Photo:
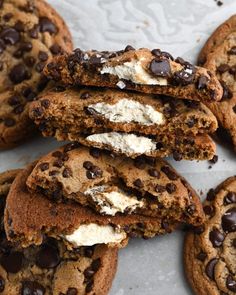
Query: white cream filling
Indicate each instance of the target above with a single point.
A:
(92, 234)
(126, 143)
(133, 71)
(114, 201)
(126, 111)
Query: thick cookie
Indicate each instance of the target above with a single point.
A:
(95, 116)
(219, 56)
(210, 251)
(142, 70)
(31, 33)
(116, 186)
(31, 216)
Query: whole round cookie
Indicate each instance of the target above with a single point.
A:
(51, 268)
(31, 33)
(210, 251)
(219, 56)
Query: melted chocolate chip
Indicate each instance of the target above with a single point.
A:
(43, 166)
(160, 68)
(154, 173)
(228, 220)
(201, 256)
(183, 77)
(210, 268)
(48, 257)
(138, 183)
(12, 262)
(171, 188)
(231, 282)
(18, 74)
(10, 36)
(72, 291)
(169, 173)
(216, 238)
(46, 25)
(32, 288)
(230, 198)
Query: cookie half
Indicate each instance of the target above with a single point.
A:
(126, 122)
(31, 216)
(116, 186)
(141, 70)
(51, 268)
(31, 33)
(210, 251)
(219, 56)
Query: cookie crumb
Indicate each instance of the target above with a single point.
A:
(214, 160)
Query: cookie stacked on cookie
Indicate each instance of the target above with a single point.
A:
(164, 116)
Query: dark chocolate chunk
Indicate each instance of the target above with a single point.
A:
(88, 165)
(94, 152)
(160, 67)
(183, 77)
(232, 50)
(201, 256)
(55, 49)
(129, 48)
(10, 36)
(211, 195)
(231, 283)
(210, 268)
(228, 220)
(156, 52)
(230, 198)
(171, 188)
(209, 210)
(169, 173)
(12, 262)
(96, 264)
(43, 166)
(30, 61)
(19, 26)
(154, 173)
(67, 173)
(58, 163)
(32, 288)
(2, 284)
(138, 183)
(72, 291)
(18, 74)
(48, 257)
(43, 56)
(199, 229)
(216, 238)
(26, 46)
(46, 25)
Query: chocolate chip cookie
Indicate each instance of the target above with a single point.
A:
(116, 186)
(219, 56)
(210, 251)
(146, 124)
(50, 268)
(142, 70)
(29, 217)
(31, 33)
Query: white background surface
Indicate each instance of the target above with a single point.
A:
(181, 27)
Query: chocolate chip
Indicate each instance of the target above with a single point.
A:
(88, 165)
(88, 252)
(138, 183)
(227, 93)
(169, 172)
(32, 288)
(156, 52)
(160, 68)
(18, 110)
(140, 163)
(2, 46)
(40, 66)
(209, 210)
(199, 229)
(160, 188)
(191, 122)
(26, 46)
(223, 68)
(19, 26)
(18, 74)
(177, 156)
(214, 160)
(53, 173)
(45, 103)
(234, 243)
(67, 173)
(48, 257)
(216, 238)
(171, 188)
(10, 36)
(37, 112)
(43, 56)
(211, 195)
(30, 61)
(228, 220)
(129, 48)
(2, 284)
(96, 264)
(232, 70)
(232, 50)
(12, 262)
(191, 209)
(43, 166)
(90, 174)
(89, 287)
(55, 49)
(201, 256)
(167, 55)
(14, 100)
(46, 25)
(58, 163)
(210, 268)
(154, 173)
(230, 198)
(95, 153)
(7, 16)
(71, 146)
(231, 283)
(8, 122)
(183, 77)
(72, 291)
